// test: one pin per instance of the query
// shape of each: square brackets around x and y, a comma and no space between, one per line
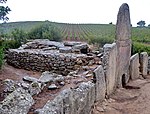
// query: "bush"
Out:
[1,57]
[140,47]
[45,31]
[101,40]
[11,44]
[18,37]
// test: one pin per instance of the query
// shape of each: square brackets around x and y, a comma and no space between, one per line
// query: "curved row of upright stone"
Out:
[119,65]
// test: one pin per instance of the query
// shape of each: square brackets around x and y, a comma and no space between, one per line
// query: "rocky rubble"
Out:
[18,102]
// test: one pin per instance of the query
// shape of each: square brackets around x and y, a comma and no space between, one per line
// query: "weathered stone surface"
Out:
[82,47]
[25,85]
[144,63]
[123,26]
[100,84]
[134,67]
[18,102]
[148,65]
[65,50]
[46,77]
[123,35]
[71,43]
[71,101]
[30,79]
[83,98]
[52,86]
[35,88]
[67,101]
[9,85]
[62,104]
[42,43]
[51,107]
[110,66]
[50,77]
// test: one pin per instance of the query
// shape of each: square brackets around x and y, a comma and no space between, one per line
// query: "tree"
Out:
[4,11]
[141,23]
[110,23]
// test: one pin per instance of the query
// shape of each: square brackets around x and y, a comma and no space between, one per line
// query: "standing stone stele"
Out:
[123,35]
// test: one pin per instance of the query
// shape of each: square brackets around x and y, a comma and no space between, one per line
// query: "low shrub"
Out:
[140,47]
[101,40]
[1,56]
[18,37]
[45,31]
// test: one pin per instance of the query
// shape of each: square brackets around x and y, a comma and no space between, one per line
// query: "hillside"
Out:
[69,31]
[92,33]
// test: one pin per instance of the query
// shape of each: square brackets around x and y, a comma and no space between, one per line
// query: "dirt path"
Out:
[9,72]
[134,100]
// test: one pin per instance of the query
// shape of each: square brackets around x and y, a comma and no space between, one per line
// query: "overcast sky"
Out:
[77,11]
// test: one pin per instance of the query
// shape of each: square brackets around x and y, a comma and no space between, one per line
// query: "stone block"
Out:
[100,84]
[65,50]
[30,79]
[134,67]
[144,63]
[110,67]
[83,98]
[52,107]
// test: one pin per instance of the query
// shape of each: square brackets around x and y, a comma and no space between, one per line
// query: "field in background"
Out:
[91,33]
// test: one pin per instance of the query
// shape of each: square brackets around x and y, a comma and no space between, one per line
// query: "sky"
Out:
[77,11]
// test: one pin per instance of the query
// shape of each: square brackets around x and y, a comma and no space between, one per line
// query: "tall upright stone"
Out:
[123,35]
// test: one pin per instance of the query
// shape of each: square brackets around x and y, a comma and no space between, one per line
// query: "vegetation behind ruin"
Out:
[15,33]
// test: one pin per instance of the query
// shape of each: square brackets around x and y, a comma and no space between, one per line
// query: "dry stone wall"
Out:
[51,59]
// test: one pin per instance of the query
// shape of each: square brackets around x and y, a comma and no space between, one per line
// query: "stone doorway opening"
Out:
[123,80]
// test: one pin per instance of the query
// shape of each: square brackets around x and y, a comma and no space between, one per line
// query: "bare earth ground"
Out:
[133,100]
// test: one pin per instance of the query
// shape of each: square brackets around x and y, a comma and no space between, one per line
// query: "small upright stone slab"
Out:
[134,67]
[144,63]
[110,67]
[100,85]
